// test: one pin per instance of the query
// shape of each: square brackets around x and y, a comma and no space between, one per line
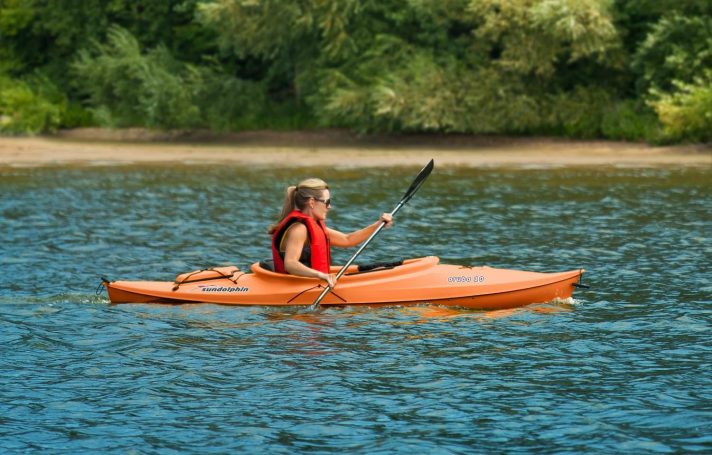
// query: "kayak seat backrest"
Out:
[267,264]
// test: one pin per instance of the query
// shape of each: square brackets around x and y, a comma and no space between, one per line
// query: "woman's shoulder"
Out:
[296,228]
[295,234]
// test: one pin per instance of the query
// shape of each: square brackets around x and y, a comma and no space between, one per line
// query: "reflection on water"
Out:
[623,367]
[444,313]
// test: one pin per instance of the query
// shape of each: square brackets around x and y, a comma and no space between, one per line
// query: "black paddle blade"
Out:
[424,173]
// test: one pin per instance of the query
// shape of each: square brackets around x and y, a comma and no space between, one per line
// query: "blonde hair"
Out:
[296,197]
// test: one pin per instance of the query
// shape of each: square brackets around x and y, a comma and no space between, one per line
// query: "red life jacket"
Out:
[318,239]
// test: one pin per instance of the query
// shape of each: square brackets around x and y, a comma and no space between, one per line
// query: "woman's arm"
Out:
[294,240]
[354,238]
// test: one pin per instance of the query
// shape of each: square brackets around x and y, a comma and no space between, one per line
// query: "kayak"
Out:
[407,282]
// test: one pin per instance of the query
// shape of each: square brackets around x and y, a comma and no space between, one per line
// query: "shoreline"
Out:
[90,146]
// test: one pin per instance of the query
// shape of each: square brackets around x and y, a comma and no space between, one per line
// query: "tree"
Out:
[45,35]
[127,87]
[686,112]
[457,65]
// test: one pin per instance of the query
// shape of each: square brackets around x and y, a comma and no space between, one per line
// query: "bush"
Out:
[687,112]
[228,103]
[628,121]
[75,116]
[127,88]
[29,107]
[678,48]
[578,113]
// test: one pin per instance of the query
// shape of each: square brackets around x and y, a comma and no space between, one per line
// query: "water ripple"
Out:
[623,368]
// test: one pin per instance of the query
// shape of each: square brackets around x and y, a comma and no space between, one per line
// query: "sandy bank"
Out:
[333,148]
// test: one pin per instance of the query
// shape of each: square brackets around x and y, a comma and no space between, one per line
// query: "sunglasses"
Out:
[326,202]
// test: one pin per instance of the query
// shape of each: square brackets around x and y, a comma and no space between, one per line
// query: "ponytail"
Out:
[287,207]
[296,197]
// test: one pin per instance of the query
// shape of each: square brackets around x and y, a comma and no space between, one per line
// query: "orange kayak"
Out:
[420,280]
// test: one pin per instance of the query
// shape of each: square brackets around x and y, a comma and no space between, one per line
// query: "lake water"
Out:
[625,367]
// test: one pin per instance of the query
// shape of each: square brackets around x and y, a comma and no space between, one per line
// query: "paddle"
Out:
[424,173]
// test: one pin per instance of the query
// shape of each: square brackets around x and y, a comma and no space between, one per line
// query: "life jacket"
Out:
[318,239]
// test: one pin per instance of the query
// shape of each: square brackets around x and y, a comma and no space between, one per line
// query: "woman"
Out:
[301,241]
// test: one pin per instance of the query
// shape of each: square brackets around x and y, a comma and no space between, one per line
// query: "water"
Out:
[625,367]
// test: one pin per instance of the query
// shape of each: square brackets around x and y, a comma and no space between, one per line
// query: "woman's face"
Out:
[320,206]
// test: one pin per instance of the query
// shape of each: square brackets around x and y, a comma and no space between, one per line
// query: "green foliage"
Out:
[423,95]
[46,34]
[127,88]
[578,113]
[274,29]
[397,85]
[673,64]
[687,112]
[226,102]
[76,116]
[29,107]
[590,112]
[630,121]
[579,68]
[678,48]
[263,28]
[532,36]
[15,15]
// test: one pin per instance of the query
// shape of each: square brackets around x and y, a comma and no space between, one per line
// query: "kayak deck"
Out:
[420,280]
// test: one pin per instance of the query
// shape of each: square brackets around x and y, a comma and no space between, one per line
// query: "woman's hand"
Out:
[388,219]
[330,278]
